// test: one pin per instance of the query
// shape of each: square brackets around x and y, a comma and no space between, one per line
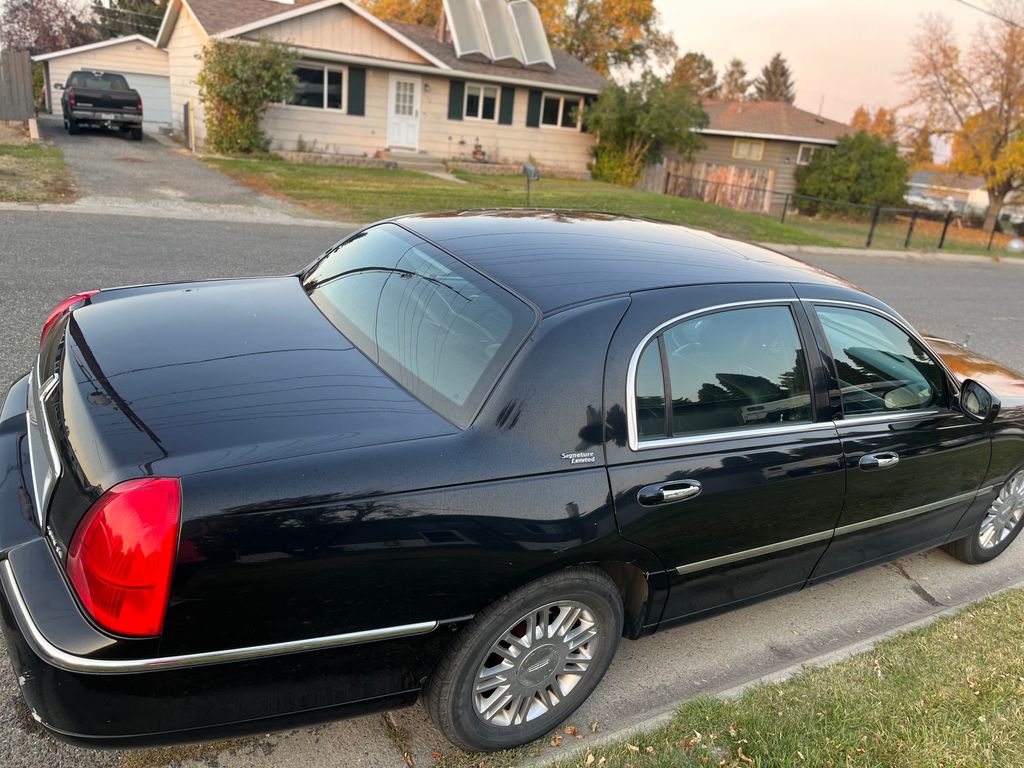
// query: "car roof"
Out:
[562,258]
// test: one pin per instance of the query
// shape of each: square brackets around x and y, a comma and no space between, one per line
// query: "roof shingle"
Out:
[220,15]
[775,118]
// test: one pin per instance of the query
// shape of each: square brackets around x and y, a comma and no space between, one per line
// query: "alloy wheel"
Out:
[1004,515]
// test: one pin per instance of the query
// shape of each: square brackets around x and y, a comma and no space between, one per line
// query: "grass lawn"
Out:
[30,173]
[364,195]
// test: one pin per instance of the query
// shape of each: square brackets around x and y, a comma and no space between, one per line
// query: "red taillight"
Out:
[60,310]
[71,99]
[140,105]
[122,555]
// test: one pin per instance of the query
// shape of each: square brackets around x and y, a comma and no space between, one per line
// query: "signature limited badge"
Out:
[583,457]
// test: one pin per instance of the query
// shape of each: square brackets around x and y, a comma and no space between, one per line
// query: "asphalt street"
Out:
[46,256]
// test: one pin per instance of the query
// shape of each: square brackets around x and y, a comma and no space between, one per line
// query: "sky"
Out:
[847,53]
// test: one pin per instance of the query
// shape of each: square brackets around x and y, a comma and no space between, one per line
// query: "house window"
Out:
[561,111]
[806,152]
[747,149]
[319,87]
[481,102]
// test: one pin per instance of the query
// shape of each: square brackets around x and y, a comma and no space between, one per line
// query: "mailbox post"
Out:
[532,174]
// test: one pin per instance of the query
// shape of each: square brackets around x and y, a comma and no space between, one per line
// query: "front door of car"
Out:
[723,459]
[914,459]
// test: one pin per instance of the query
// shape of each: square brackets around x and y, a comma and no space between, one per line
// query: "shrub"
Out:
[862,169]
[236,83]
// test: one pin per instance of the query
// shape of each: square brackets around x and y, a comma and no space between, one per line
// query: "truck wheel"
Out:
[527,661]
[72,126]
[136,134]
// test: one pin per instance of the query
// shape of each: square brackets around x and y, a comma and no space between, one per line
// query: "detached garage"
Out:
[136,57]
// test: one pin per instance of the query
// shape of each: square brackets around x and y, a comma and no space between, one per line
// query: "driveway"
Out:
[156,177]
[648,676]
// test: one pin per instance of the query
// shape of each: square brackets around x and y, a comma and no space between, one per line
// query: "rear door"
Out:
[914,461]
[725,461]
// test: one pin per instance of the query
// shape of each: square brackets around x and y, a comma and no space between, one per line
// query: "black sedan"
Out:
[458,458]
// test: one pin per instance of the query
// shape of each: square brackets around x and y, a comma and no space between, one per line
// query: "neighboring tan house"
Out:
[366,85]
[136,57]
[750,155]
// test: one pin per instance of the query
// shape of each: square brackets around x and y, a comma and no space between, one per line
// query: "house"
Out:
[750,155]
[143,64]
[943,190]
[483,85]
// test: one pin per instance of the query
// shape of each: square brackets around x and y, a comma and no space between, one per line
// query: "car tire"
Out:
[72,126]
[136,134]
[998,527]
[541,683]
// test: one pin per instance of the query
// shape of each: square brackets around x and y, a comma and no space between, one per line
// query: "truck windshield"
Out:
[98,81]
[440,330]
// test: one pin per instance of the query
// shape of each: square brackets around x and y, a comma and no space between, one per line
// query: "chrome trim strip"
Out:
[822,535]
[749,553]
[72,663]
[634,360]
[881,418]
[970,495]
[990,488]
[739,434]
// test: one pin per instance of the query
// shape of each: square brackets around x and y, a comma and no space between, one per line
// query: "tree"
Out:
[117,18]
[919,149]
[237,80]
[883,124]
[862,168]
[975,97]
[636,122]
[734,81]
[698,72]
[602,33]
[43,26]
[861,120]
[775,82]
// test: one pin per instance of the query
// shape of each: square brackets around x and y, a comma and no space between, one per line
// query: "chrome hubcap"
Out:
[536,663]
[1004,515]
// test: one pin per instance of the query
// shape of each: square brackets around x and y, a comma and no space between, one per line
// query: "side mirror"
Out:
[978,401]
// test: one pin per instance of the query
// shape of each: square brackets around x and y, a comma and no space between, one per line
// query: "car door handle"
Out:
[879,460]
[667,493]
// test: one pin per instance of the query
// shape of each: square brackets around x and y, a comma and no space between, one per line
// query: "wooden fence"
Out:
[16,102]
[744,189]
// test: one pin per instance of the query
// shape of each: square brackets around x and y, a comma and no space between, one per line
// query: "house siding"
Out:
[183,50]
[339,29]
[779,156]
[131,57]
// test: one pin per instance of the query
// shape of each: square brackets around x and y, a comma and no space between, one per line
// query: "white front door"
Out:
[404,112]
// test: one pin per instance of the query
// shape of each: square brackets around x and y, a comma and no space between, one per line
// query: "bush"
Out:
[236,83]
[635,123]
[862,168]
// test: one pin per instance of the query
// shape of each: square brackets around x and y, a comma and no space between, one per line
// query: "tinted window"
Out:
[309,87]
[881,369]
[99,81]
[435,326]
[740,368]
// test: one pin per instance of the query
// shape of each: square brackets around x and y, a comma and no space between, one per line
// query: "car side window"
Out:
[881,368]
[734,369]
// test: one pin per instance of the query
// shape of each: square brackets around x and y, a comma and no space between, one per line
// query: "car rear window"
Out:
[441,330]
[98,81]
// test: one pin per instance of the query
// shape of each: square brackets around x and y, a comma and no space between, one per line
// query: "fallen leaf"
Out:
[594,727]
[590,758]
[744,758]
[601,762]
[555,741]
[632,747]
[800,755]
[650,751]
[408,760]
[436,755]
[570,730]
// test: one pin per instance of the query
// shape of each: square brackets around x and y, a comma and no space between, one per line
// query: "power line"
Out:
[990,12]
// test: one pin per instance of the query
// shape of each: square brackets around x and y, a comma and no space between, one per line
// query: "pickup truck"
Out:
[103,100]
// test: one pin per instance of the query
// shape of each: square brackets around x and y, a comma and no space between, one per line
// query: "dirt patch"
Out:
[13,133]
[30,173]
[132,160]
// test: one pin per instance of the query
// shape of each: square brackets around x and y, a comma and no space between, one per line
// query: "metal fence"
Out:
[16,102]
[854,224]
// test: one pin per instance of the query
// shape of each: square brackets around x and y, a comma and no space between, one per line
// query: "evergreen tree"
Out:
[734,81]
[776,82]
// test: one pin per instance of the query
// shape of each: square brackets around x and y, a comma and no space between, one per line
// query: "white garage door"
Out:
[155,91]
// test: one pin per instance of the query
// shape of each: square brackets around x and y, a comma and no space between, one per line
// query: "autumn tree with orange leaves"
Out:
[602,33]
[975,97]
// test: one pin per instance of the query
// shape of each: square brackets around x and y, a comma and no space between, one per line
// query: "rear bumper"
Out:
[88,116]
[89,688]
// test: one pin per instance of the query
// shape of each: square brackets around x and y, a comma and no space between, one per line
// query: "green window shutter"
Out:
[356,91]
[456,99]
[533,109]
[508,104]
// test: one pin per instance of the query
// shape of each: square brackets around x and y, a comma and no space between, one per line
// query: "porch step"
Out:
[416,161]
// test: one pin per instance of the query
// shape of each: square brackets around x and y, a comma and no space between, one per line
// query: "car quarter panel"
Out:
[427,529]
[768,502]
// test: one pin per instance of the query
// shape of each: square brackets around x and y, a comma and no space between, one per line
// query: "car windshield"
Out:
[435,326]
[98,81]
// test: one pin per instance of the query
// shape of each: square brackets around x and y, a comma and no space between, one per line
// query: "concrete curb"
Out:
[664,716]
[925,256]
